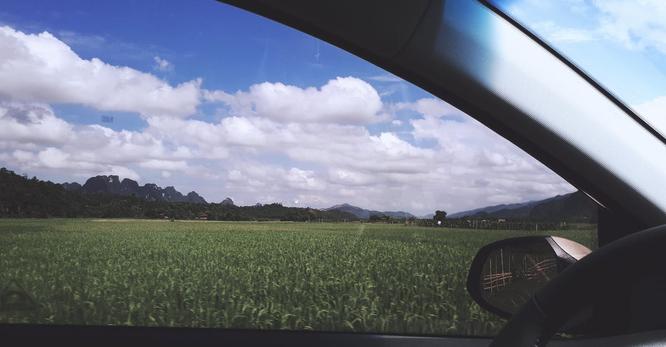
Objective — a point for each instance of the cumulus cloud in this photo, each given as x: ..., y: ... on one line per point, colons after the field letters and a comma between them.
x: 41, y: 68
x: 318, y: 164
x: 166, y: 165
x: 330, y: 144
x: 121, y: 171
x: 318, y: 145
x: 345, y: 100
x: 480, y: 166
x: 38, y: 139
x: 31, y: 124
x: 469, y: 165
x: 430, y: 107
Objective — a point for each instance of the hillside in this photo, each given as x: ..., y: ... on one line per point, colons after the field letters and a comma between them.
x: 362, y: 213
x: 24, y: 197
x: 573, y: 207
x: 127, y: 187
x: 491, y: 209
x: 109, y: 197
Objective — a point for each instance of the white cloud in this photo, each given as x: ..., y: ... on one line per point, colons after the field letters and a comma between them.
x: 41, y: 68
x: 121, y: 171
x: 304, y: 179
x: 170, y: 165
x: 31, y: 123
x: 350, y: 178
x: 430, y: 107
x: 344, y: 100
x: 636, y: 24
x: 481, y: 167
x: 469, y: 166
x: 38, y: 139
x: 275, y: 142
x: 54, y: 158
x: 243, y: 131
x: 391, y: 78
x: 23, y: 156
x: 162, y: 64
x: 318, y: 164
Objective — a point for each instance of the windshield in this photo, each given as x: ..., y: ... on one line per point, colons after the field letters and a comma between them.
x: 621, y: 44
x: 189, y: 164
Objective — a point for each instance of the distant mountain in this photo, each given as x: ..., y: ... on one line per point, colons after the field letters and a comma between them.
x: 194, y: 198
x: 398, y: 214
x: 108, y: 197
x: 356, y: 211
x: 127, y: 187
x: 573, y: 207
x: 72, y: 187
x: 362, y: 213
x: 228, y: 202
x: 491, y: 209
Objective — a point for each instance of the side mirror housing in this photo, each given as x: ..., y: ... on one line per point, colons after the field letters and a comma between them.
x: 505, y: 274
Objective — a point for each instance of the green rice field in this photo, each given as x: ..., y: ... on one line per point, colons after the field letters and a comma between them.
x: 275, y: 275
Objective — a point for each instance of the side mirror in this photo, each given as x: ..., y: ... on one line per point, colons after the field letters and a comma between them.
x: 505, y: 274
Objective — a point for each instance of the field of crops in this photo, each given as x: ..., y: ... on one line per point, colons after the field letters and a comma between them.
x: 340, y: 277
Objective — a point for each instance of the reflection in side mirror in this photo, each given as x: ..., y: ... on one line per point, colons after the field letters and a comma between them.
x: 505, y: 274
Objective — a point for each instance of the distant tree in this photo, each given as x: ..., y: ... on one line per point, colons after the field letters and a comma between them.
x: 439, y: 216
x: 21, y: 196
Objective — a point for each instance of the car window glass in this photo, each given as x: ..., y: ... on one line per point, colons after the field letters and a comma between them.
x: 618, y: 43
x: 193, y: 165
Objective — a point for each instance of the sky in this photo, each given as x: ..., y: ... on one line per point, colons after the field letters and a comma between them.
x: 210, y: 98
x: 620, y: 43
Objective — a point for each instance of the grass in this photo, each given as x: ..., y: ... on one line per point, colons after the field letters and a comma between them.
x: 333, y: 277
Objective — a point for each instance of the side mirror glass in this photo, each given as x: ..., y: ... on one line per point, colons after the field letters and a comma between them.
x: 505, y: 274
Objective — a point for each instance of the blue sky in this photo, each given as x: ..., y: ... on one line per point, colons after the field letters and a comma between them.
x: 207, y: 97
x: 228, y: 47
x: 622, y: 44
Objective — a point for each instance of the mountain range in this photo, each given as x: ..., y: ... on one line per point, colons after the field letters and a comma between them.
x: 362, y: 213
x: 108, y: 197
x: 494, y: 208
x: 110, y: 194
x: 573, y: 207
x: 127, y: 187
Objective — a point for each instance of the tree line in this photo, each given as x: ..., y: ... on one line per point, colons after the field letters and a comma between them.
x: 22, y: 197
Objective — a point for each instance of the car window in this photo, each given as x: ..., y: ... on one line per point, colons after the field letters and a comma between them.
x: 193, y: 165
x: 619, y: 43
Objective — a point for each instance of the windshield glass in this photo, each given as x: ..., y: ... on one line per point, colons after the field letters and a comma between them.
x: 189, y: 164
x: 619, y: 43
